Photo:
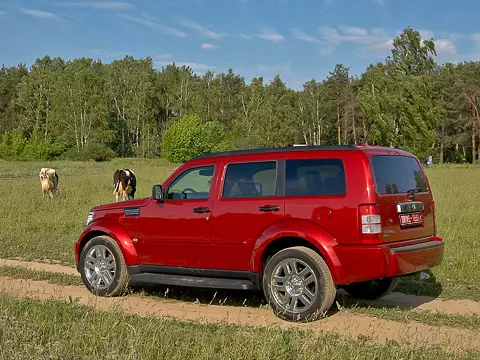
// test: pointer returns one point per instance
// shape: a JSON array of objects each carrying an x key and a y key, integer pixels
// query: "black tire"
[
  {"x": 119, "y": 281},
  {"x": 324, "y": 294},
  {"x": 372, "y": 289}
]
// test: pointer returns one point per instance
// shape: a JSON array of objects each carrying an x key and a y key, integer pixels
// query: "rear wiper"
[{"x": 412, "y": 192}]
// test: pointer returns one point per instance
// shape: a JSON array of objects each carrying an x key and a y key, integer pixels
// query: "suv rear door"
[
  {"x": 249, "y": 201},
  {"x": 406, "y": 203}
]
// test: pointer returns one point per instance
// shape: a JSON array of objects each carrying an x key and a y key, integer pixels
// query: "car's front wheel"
[
  {"x": 372, "y": 289},
  {"x": 102, "y": 267},
  {"x": 298, "y": 285}
]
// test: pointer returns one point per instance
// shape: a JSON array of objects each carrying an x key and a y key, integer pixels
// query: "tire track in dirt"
[
  {"x": 37, "y": 266},
  {"x": 413, "y": 333},
  {"x": 403, "y": 301}
]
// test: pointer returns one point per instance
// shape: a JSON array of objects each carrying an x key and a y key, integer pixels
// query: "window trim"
[
  {"x": 189, "y": 170},
  {"x": 375, "y": 184},
  {"x": 318, "y": 196},
  {"x": 277, "y": 182}
]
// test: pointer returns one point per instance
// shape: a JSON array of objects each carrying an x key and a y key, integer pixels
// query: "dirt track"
[
  {"x": 452, "y": 339},
  {"x": 459, "y": 307}
]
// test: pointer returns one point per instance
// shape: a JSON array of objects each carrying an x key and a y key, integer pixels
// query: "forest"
[{"x": 83, "y": 109}]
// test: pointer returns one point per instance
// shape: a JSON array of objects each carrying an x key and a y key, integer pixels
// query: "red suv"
[{"x": 295, "y": 222}]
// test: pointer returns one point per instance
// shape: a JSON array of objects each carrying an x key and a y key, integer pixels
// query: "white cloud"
[
  {"x": 41, "y": 14},
  {"x": 303, "y": 36},
  {"x": 476, "y": 38},
  {"x": 282, "y": 69},
  {"x": 154, "y": 24},
  {"x": 380, "y": 2},
  {"x": 271, "y": 35},
  {"x": 352, "y": 34},
  {"x": 205, "y": 31},
  {"x": 162, "y": 56},
  {"x": 208, "y": 47},
  {"x": 426, "y": 34},
  {"x": 445, "y": 47},
  {"x": 326, "y": 51},
  {"x": 2, "y": 12},
  {"x": 244, "y": 36},
  {"x": 99, "y": 4},
  {"x": 385, "y": 46},
  {"x": 194, "y": 66},
  {"x": 355, "y": 31},
  {"x": 109, "y": 53}
]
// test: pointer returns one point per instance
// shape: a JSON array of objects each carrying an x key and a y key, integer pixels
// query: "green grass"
[
  {"x": 51, "y": 277},
  {"x": 30, "y": 329},
  {"x": 36, "y": 229}
]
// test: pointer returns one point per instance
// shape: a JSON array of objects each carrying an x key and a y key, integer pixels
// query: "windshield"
[{"x": 397, "y": 174}]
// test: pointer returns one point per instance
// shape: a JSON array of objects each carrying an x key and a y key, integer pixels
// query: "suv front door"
[
  {"x": 250, "y": 201},
  {"x": 176, "y": 232}
]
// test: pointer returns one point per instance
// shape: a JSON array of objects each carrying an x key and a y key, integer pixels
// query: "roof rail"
[{"x": 275, "y": 150}]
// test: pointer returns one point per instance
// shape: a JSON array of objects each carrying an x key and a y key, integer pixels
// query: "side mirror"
[{"x": 157, "y": 193}]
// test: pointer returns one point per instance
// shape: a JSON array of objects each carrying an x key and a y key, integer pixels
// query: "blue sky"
[{"x": 299, "y": 39}]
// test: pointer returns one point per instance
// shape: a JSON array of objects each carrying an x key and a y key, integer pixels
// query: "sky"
[{"x": 297, "y": 39}]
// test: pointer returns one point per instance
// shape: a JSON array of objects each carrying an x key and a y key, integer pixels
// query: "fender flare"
[
  {"x": 114, "y": 230},
  {"x": 316, "y": 235}
]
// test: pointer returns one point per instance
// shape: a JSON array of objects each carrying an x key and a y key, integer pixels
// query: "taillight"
[
  {"x": 371, "y": 224},
  {"x": 433, "y": 217}
]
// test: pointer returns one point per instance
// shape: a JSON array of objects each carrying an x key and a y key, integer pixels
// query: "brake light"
[
  {"x": 371, "y": 224},
  {"x": 433, "y": 217}
]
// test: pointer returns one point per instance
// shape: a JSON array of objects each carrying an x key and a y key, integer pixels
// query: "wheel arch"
[
  {"x": 112, "y": 229},
  {"x": 309, "y": 235}
]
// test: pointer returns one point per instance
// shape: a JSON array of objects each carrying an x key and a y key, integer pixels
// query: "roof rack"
[{"x": 278, "y": 149}]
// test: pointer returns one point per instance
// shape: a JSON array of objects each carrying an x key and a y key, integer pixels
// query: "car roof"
[
  {"x": 275, "y": 150},
  {"x": 371, "y": 149}
]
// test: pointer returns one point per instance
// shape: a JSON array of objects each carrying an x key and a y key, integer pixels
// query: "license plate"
[{"x": 411, "y": 219}]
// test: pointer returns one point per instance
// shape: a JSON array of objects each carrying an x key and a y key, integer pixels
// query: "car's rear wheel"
[
  {"x": 102, "y": 267},
  {"x": 372, "y": 289},
  {"x": 298, "y": 285}
]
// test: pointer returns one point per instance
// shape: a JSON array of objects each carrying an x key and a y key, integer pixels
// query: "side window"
[
  {"x": 192, "y": 184},
  {"x": 250, "y": 180},
  {"x": 315, "y": 177}
]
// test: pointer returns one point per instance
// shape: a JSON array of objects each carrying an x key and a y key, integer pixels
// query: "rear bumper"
[{"x": 360, "y": 263}]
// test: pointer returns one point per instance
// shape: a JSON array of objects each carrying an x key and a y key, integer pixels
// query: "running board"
[{"x": 194, "y": 281}]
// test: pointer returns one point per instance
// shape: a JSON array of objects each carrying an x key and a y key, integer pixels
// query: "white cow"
[{"x": 48, "y": 181}]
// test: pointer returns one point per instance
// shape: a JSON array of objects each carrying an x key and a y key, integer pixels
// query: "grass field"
[
  {"x": 35, "y": 229},
  {"x": 30, "y": 329}
]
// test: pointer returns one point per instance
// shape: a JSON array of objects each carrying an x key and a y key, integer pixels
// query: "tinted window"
[
  {"x": 397, "y": 174},
  {"x": 250, "y": 180},
  {"x": 192, "y": 184},
  {"x": 315, "y": 177}
]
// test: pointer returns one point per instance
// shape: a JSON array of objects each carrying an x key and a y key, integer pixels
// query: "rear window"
[
  {"x": 397, "y": 174},
  {"x": 315, "y": 177}
]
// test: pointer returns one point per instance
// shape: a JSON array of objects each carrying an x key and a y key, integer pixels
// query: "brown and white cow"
[
  {"x": 125, "y": 184},
  {"x": 48, "y": 181}
]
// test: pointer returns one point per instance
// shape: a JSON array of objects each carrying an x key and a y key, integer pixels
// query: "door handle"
[
  {"x": 269, "y": 208},
  {"x": 201, "y": 210}
]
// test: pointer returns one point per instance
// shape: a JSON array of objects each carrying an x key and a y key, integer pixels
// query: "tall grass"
[
  {"x": 36, "y": 229},
  {"x": 30, "y": 329}
]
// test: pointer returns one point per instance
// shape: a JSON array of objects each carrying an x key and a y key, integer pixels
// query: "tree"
[
  {"x": 189, "y": 137},
  {"x": 80, "y": 112},
  {"x": 396, "y": 97},
  {"x": 10, "y": 78},
  {"x": 34, "y": 97}
]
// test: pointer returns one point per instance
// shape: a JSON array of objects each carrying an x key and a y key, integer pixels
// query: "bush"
[
  {"x": 189, "y": 137},
  {"x": 96, "y": 152},
  {"x": 15, "y": 146}
]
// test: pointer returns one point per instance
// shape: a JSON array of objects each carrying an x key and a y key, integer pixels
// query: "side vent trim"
[{"x": 135, "y": 211}]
